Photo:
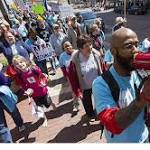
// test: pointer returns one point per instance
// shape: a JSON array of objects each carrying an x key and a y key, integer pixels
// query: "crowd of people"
[{"x": 32, "y": 41}]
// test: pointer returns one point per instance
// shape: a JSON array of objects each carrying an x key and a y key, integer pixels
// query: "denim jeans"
[
  {"x": 5, "y": 136},
  {"x": 15, "y": 115}
]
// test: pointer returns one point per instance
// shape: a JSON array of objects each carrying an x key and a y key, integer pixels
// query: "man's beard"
[{"x": 125, "y": 63}]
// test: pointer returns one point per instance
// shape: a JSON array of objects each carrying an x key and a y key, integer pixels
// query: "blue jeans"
[
  {"x": 15, "y": 115},
  {"x": 5, "y": 136}
]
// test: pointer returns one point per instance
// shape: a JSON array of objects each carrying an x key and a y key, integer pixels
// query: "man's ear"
[{"x": 113, "y": 51}]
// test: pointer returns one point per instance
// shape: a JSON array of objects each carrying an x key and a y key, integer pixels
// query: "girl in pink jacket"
[{"x": 33, "y": 82}]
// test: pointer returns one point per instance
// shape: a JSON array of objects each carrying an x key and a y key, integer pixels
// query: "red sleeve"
[
  {"x": 10, "y": 71},
  {"x": 15, "y": 76},
  {"x": 64, "y": 71},
  {"x": 107, "y": 118},
  {"x": 103, "y": 65},
  {"x": 74, "y": 81}
]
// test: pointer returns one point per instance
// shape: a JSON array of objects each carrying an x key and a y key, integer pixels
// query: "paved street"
[
  {"x": 139, "y": 23},
  {"x": 63, "y": 125}
]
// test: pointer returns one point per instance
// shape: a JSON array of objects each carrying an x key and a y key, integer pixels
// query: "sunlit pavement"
[{"x": 64, "y": 126}]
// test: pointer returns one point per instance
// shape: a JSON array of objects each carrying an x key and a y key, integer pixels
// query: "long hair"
[{"x": 18, "y": 58}]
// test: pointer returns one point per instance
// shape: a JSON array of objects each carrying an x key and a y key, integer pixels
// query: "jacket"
[
  {"x": 22, "y": 49},
  {"x": 76, "y": 79}
]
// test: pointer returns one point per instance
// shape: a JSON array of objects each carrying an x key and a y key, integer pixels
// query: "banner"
[
  {"x": 38, "y": 9},
  {"x": 65, "y": 11},
  {"x": 43, "y": 51}
]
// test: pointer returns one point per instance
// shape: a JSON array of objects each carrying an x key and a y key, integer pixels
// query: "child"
[{"x": 33, "y": 82}]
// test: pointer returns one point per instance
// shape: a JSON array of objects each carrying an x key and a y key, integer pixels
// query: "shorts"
[{"x": 43, "y": 100}]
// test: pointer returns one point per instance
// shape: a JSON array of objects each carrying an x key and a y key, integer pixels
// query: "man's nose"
[{"x": 135, "y": 49}]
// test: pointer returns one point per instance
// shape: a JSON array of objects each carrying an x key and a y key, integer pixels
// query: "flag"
[{"x": 47, "y": 7}]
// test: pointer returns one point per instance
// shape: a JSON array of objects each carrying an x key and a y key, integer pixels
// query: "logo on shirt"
[
  {"x": 31, "y": 80},
  {"x": 125, "y": 98}
]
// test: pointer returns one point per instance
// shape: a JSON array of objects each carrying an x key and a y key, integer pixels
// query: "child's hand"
[{"x": 29, "y": 92}]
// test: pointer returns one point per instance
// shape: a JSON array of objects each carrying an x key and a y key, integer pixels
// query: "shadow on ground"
[
  {"x": 16, "y": 135},
  {"x": 55, "y": 82},
  {"x": 61, "y": 110},
  {"x": 75, "y": 133}
]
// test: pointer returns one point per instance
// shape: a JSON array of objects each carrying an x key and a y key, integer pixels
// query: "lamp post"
[
  {"x": 4, "y": 9},
  {"x": 125, "y": 9}
]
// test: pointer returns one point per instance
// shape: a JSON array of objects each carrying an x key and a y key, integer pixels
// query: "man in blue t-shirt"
[{"x": 124, "y": 120}]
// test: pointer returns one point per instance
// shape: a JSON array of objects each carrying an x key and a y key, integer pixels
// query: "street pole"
[
  {"x": 125, "y": 9},
  {"x": 4, "y": 9}
]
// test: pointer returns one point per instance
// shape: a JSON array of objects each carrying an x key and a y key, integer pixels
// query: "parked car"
[
  {"x": 89, "y": 18},
  {"x": 118, "y": 7},
  {"x": 137, "y": 9}
]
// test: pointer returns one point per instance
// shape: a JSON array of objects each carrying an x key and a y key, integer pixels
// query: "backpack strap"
[
  {"x": 113, "y": 85},
  {"x": 114, "y": 88}
]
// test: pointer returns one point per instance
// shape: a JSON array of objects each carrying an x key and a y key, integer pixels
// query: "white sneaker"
[
  {"x": 22, "y": 128},
  {"x": 45, "y": 124},
  {"x": 75, "y": 108}
]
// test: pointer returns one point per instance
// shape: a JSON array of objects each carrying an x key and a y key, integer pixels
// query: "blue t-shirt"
[
  {"x": 137, "y": 131},
  {"x": 64, "y": 59},
  {"x": 108, "y": 58}
]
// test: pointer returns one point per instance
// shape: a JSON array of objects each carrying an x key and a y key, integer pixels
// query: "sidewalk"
[{"x": 63, "y": 125}]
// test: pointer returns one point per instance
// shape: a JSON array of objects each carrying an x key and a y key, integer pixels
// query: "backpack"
[
  {"x": 115, "y": 91},
  {"x": 114, "y": 88}
]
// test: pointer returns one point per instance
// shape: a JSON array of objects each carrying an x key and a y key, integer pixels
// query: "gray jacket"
[{"x": 76, "y": 61}]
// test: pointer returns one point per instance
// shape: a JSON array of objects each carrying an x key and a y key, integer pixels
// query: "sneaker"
[
  {"x": 75, "y": 109},
  {"x": 92, "y": 118},
  {"x": 22, "y": 128},
  {"x": 75, "y": 105}
]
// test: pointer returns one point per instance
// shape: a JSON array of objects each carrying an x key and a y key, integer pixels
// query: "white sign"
[
  {"x": 43, "y": 51},
  {"x": 66, "y": 10},
  {"x": 9, "y": 2}
]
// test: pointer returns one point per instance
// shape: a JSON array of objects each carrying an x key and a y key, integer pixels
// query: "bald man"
[{"x": 123, "y": 118}]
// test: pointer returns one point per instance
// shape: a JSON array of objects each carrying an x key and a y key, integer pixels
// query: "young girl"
[{"x": 33, "y": 82}]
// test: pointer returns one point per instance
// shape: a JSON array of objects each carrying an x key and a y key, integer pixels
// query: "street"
[
  {"x": 64, "y": 126},
  {"x": 139, "y": 23}
]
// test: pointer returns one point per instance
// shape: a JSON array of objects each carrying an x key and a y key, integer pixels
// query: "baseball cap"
[{"x": 120, "y": 20}]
